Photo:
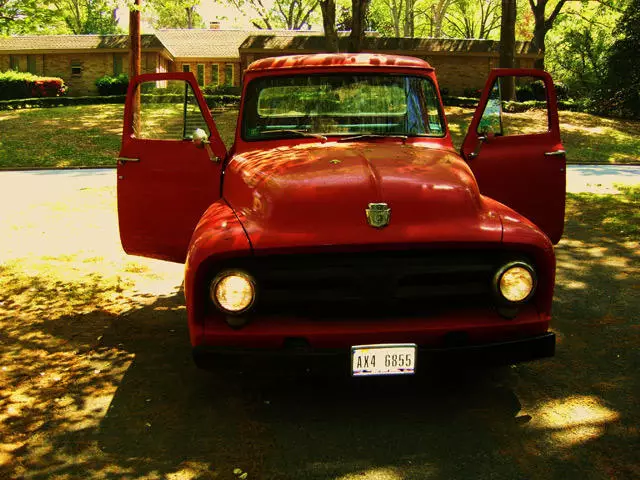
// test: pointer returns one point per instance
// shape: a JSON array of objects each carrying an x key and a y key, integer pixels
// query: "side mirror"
[{"x": 200, "y": 138}]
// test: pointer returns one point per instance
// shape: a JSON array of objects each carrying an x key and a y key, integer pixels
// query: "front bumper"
[{"x": 489, "y": 354}]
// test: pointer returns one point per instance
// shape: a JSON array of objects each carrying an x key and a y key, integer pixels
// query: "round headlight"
[
  {"x": 233, "y": 292},
  {"x": 516, "y": 282}
]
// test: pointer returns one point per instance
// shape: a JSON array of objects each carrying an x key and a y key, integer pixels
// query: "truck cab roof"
[{"x": 337, "y": 60}]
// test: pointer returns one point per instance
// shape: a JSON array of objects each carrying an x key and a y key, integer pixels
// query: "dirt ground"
[{"x": 96, "y": 377}]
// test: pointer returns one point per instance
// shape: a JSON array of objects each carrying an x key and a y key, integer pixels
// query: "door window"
[
  {"x": 200, "y": 74},
  {"x": 525, "y": 114},
  {"x": 228, "y": 74},
  {"x": 31, "y": 64},
  {"x": 168, "y": 111},
  {"x": 215, "y": 74}
]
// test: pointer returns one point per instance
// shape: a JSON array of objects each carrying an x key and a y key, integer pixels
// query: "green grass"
[
  {"x": 586, "y": 138},
  {"x": 89, "y": 136},
  {"x": 80, "y": 136}
]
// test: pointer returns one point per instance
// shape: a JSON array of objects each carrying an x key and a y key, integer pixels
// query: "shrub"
[
  {"x": 14, "y": 85},
  {"x": 562, "y": 91},
  {"x": 213, "y": 101},
  {"x": 621, "y": 92},
  {"x": 222, "y": 90},
  {"x": 472, "y": 92},
  {"x": 524, "y": 93},
  {"x": 108, "y": 85}
]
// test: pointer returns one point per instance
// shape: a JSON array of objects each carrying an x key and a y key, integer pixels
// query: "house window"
[
  {"x": 14, "y": 63},
  {"x": 200, "y": 74},
  {"x": 118, "y": 61},
  {"x": 186, "y": 67},
  {"x": 31, "y": 64},
  {"x": 215, "y": 74},
  {"x": 76, "y": 68},
  {"x": 228, "y": 74}
]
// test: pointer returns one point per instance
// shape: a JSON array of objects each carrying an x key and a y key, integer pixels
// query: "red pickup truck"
[{"x": 342, "y": 223}]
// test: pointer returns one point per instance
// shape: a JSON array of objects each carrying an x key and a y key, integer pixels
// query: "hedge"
[
  {"x": 217, "y": 101},
  {"x": 213, "y": 101},
  {"x": 108, "y": 85},
  {"x": 585, "y": 106},
  {"x": 18, "y": 85}
]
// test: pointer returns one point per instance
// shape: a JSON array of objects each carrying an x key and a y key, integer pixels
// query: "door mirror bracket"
[
  {"x": 201, "y": 140},
  {"x": 476, "y": 152}
]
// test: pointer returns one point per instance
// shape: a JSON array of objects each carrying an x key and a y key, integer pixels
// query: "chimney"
[{"x": 214, "y": 25}]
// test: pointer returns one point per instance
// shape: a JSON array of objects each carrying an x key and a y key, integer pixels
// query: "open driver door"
[
  {"x": 170, "y": 165},
  {"x": 518, "y": 158}
]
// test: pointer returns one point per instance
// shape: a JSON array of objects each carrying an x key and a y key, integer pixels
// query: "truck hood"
[{"x": 317, "y": 195}]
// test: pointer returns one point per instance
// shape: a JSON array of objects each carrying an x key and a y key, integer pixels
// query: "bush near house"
[
  {"x": 213, "y": 101},
  {"x": 222, "y": 90},
  {"x": 109, "y": 85},
  {"x": 14, "y": 85}
]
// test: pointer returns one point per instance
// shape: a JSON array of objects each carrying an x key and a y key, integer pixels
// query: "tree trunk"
[
  {"x": 508, "y": 47},
  {"x": 539, "y": 31},
  {"x": 409, "y": 26},
  {"x": 134, "y": 58},
  {"x": 189, "y": 11},
  {"x": 328, "y": 8},
  {"x": 358, "y": 23},
  {"x": 543, "y": 25}
]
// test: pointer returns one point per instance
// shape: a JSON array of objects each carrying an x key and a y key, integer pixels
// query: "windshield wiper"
[
  {"x": 364, "y": 136},
  {"x": 300, "y": 133}
]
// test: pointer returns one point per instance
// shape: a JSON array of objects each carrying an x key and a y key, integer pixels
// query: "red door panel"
[
  {"x": 527, "y": 172},
  {"x": 165, "y": 180}
]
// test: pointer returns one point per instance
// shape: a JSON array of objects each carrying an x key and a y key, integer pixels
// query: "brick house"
[
  {"x": 79, "y": 59},
  {"x": 460, "y": 63},
  {"x": 217, "y": 56}
]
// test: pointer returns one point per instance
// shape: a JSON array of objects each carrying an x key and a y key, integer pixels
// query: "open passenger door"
[
  {"x": 169, "y": 166},
  {"x": 517, "y": 156}
]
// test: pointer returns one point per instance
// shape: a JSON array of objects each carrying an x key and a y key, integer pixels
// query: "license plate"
[{"x": 383, "y": 359}]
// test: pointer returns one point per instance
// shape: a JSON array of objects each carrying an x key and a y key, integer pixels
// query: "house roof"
[
  {"x": 48, "y": 43},
  {"x": 301, "y": 43},
  {"x": 220, "y": 43}
]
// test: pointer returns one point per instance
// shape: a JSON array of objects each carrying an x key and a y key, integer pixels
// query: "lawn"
[
  {"x": 89, "y": 136},
  {"x": 96, "y": 379}
]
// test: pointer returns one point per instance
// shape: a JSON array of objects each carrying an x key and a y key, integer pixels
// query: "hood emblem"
[{"x": 378, "y": 215}]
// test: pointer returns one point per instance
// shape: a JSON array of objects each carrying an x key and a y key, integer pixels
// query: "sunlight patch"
[
  {"x": 374, "y": 474},
  {"x": 573, "y": 420}
]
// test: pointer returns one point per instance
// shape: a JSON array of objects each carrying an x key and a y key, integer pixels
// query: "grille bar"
[{"x": 372, "y": 283}]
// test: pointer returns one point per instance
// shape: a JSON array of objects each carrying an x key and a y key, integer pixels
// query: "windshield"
[{"x": 343, "y": 104}]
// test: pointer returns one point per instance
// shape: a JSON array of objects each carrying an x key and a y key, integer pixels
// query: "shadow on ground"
[{"x": 95, "y": 394}]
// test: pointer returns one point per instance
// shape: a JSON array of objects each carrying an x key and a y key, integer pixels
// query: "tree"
[
  {"x": 328, "y": 8},
  {"x": 580, "y": 43},
  {"x": 19, "y": 17},
  {"x": 400, "y": 15},
  {"x": 508, "y": 46},
  {"x": 473, "y": 19},
  {"x": 542, "y": 25},
  {"x": 88, "y": 16},
  {"x": 289, "y": 14},
  {"x": 437, "y": 15},
  {"x": 623, "y": 74},
  {"x": 175, "y": 14},
  {"x": 358, "y": 24}
]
